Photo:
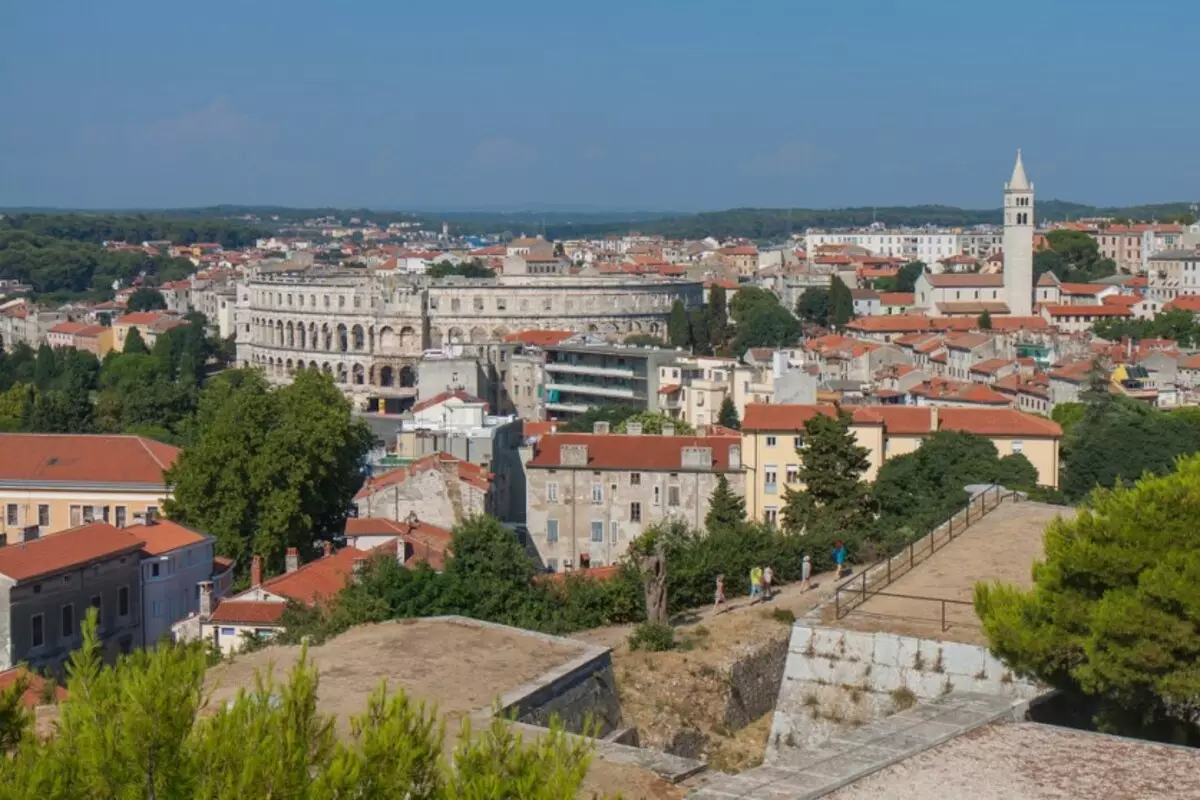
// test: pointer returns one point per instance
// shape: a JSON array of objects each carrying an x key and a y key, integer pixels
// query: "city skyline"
[{"x": 651, "y": 109}]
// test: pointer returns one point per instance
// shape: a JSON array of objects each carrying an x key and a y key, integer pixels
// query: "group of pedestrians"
[{"x": 761, "y": 579}]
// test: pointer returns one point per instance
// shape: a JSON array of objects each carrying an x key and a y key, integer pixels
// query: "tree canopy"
[
  {"x": 1114, "y": 615},
  {"x": 1176, "y": 324},
  {"x": 465, "y": 269},
  {"x": 145, "y": 300},
  {"x": 834, "y": 500},
  {"x": 814, "y": 306},
  {"x": 269, "y": 468},
  {"x": 1073, "y": 256}
]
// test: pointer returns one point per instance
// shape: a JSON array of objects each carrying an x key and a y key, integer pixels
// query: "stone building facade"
[
  {"x": 369, "y": 330},
  {"x": 590, "y": 495}
]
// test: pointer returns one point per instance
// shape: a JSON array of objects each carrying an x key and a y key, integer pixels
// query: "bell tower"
[{"x": 1018, "y": 242}]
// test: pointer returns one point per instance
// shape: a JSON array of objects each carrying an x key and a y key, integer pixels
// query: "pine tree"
[
  {"x": 698, "y": 325},
  {"x": 985, "y": 320},
  {"x": 679, "y": 332},
  {"x": 134, "y": 342},
  {"x": 726, "y": 509},
  {"x": 834, "y": 499},
  {"x": 841, "y": 303},
  {"x": 728, "y": 416},
  {"x": 718, "y": 318}
]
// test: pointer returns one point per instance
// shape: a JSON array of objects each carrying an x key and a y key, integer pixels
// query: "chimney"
[
  {"x": 600, "y": 427},
  {"x": 292, "y": 561},
  {"x": 633, "y": 428},
  {"x": 206, "y": 588},
  {"x": 668, "y": 430},
  {"x": 933, "y": 419},
  {"x": 328, "y": 549},
  {"x": 256, "y": 571}
]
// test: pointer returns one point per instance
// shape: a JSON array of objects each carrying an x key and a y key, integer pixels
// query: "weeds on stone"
[
  {"x": 947, "y": 687},
  {"x": 937, "y": 664},
  {"x": 811, "y": 699},
  {"x": 1007, "y": 677},
  {"x": 903, "y": 698},
  {"x": 918, "y": 662},
  {"x": 783, "y": 615}
]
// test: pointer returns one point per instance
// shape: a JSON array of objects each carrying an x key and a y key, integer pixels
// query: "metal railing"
[
  {"x": 942, "y": 601},
  {"x": 878, "y": 576}
]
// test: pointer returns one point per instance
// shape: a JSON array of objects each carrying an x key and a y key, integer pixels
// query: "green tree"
[
  {"x": 770, "y": 326},
  {"x": 728, "y": 415},
  {"x": 813, "y": 306},
  {"x": 269, "y": 469},
  {"x": 834, "y": 499},
  {"x": 652, "y": 422},
  {"x": 718, "y": 318},
  {"x": 1112, "y": 619},
  {"x": 136, "y": 730},
  {"x": 698, "y": 326},
  {"x": 906, "y": 278},
  {"x": 748, "y": 301},
  {"x": 985, "y": 321},
  {"x": 679, "y": 333},
  {"x": 614, "y": 414},
  {"x": 45, "y": 369},
  {"x": 1067, "y": 415},
  {"x": 133, "y": 343},
  {"x": 145, "y": 299},
  {"x": 466, "y": 269},
  {"x": 726, "y": 508},
  {"x": 841, "y": 303}
]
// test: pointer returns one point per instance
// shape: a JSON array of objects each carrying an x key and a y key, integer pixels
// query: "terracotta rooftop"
[
  {"x": 890, "y": 323},
  {"x": 908, "y": 420},
  {"x": 139, "y": 318},
  {"x": 444, "y": 396},
  {"x": 1088, "y": 289},
  {"x": 164, "y": 536},
  {"x": 648, "y": 452},
  {"x": 539, "y": 338},
  {"x": 69, "y": 328},
  {"x": 322, "y": 578},
  {"x": 67, "y": 549},
  {"x": 896, "y": 298},
  {"x": 973, "y": 281},
  {"x": 1087, "y": 311},
  {"x": 996, "y": 422},
  {"x": 467, "y": 472},
  {"x": 248, "y": 612},
  {"x": 991, "y": 366},
  {"x": 53, "y": 458},
  {"x": 1187, "y": 302},
  {"x": 33, "y": 690}
]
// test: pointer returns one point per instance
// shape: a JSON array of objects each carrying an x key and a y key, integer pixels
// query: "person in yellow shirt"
[{"x": 755, "y": 584}]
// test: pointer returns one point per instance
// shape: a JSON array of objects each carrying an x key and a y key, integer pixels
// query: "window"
[
  {"x": 770, "y": 441},
  {"x": 501, "y": 304},
  {"x": 635, "y": 479},
  {"x": 793, "y": 473},
  {"x": 152, "y": 511},
  {"x": 612, "y": 493},
  {"x": 104, "y": 513},
  {"x": 657, "y": 495},
  {"x": 797, "y": 442},
  {"x": 635, "y": 512},
  {"x": 37, "y": 626},
  {"x": 597, "y": 493},
  {"x": 598, "y": 530},
  {"x": 1018, "y": 446},
  {"x": 479, "y": 304},
  {"x": 154, "y": 567},
  {"x": 551, "y": 492},
  {"x": 770, "y": 478},
  {"x": 551, "y": 530},
  {"x": 123, "y": 601},
  {"x": 44, "y": 515},
  {"x": 613, "y": 531},
  {"x": 89, "y": 514},
  {"x": 673, "y": 496},
  {"x": 10, "y": 514},
  {"x": 455, "y": 304},
  {"x": 771, "y": 515},
  {"x": 98, "y": 604},
  {"x": 552, "y": 564},
  {"x": 68, "y": 620}
]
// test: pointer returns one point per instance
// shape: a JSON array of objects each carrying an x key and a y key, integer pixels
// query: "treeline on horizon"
[{"x": 224, "y": 223}]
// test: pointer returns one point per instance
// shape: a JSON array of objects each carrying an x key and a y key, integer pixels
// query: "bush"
[{"x": 652, "y": 638}]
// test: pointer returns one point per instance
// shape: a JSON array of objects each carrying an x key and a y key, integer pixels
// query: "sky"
[{"x": 648, "y": 105}]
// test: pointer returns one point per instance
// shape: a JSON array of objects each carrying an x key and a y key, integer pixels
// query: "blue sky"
[{"x": 657, "y": 104}]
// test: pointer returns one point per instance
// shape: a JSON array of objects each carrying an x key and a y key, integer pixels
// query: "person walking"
[
  {"x": 755, "y": 584},
  {"x": 767, "y": 577},
  {"x": 805, "y": 573},
  {"x": 719, "y": 599},
  {"x": 839, "y": 557}
]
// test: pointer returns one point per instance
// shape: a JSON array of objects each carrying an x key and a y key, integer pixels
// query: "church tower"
[{"x": 1018, "y": 242}]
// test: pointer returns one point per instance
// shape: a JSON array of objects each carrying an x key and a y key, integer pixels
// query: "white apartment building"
[{"x": 911, "y": 245}]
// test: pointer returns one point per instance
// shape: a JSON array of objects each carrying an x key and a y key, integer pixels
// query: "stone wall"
[
  {"x": 581, "y": 694},
  {"x": 835, "y": 678},
  {"x": 754, "y": 684}
]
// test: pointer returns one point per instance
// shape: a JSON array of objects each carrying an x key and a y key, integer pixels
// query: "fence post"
[
  {"x": 864, "y": 586},
  {"x": 837, "y": 603},
  {"x": 943, "y": 616},
  {"x": 889, "y": 572}
]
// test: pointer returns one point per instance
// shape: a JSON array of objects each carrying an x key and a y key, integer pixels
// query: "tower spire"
[{"x": 1018, "y": 182}]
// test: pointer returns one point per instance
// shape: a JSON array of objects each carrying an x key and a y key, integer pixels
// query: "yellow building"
[
  {"x": 52, "y": 482},
  {"x": 771, "y": 434},
  {"x": 148, "y": 323}
]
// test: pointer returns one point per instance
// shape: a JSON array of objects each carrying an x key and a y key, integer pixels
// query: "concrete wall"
[{"x": 837, "y": 677}]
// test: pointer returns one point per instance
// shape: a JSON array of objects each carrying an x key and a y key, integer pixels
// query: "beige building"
[
  {"x": 438, "y": 489},
  {"x": 148, "y": 324},
  {"x": 956, "y": 295},
  {"x": 52, "y": 482},
  {"x": 590, "y": 495},
  {"x": 693, "y": 388},
  {"x": 772, "y": 435}
]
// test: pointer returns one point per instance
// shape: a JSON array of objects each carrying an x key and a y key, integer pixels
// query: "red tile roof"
[
  {"x": 1087, "y": 311},
  {"x": 909, "y": 420},
  {"x": 248, "y": 612},
  {"x": 470, "y": 473},
  {"x": 991, "y": 366},
  {"x": 1125, "y": 300},
  {"x": 139, "y": 318},
  {"x": 45, "y": 458},
  {"x": 444, "y": 396},
  {"x": 539, "y": 427},
  {"x": 621, "y": 451},
  {"x": 1187, "y": 302},
  {"x": 34, "y": 683},
  {"x": 891, "y": 323},
  {"x": 90, "y": 331},
  {"x": 62, "y": 551},
  {"x": 996, "y": 422},
  {"x": 896, "y": 298},
  {"x": 164, "y": 536},
  {"x": 324, "y": 577},
  {"x": 782, "y": 417},
  {"x": 950, "y": 280},
  {"x": 67, "y": 328},
  {"x": 591, "y": 573},
  {"x": 539, "y": 338},
  {"x": 1082, "y": 288}
]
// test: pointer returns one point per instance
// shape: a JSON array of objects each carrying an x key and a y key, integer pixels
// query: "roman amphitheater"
[{"x": 369, "y": 330}]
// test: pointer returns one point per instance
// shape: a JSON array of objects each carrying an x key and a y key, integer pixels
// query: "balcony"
[
  {"x": 598, "y": 391},
  {"x": 569, "y": 408},
  {"x": 584, "y": 369}
]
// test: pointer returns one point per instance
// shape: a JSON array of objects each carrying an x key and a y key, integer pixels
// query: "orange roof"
[
  {"x": 164, "y": 536},
  {"x": 890, "y": 323},
  {"x": 467, "y": 472},
  {"x": 248, "y": 612},
  {"x": 427, "y": 543},
  {"x": 738, "y": 251},
  {"x": 622, "y": 451},
  {"x": 996, "y": 422},
  {"x": 1081, "y": 288},
  {"x": 443, "y": 397},
  {"x": 539, "y": 427},
  {"x": 952, "y": 280},
  {"x": 896, "y": 298},
  {"x": 67, "y": 327},
  {"x": 991, "y": 365},
  {"x": 47, "y": 458},
  {"x": 322, "y": 578},
  {"x": 222, "y": 564},
  {"x": 90, "y": 331},
  {"x": 139, "y": 318},
  {"x": 373, "y": 526},
  {"x": 966, "y": 341},
  {"x": 1125, "y": 300},
  {"x": 1186, "y": 302},
  {"x": 62, "y": 551},
  {"x": 896, "y": 419},
  {"x": 33, "y": 690},
  {"x": 591, "y": 573},
  {"x": 782, "y": 416}
]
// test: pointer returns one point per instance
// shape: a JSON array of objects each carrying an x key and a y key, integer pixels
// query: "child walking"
[{"x": 719, "y": 599}]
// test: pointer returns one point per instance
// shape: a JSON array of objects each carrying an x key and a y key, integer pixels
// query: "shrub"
[
  {"x": 652, "y": 638},
  {"x": 784, "y": 615},
  {"x": 903, "y": 698}
]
